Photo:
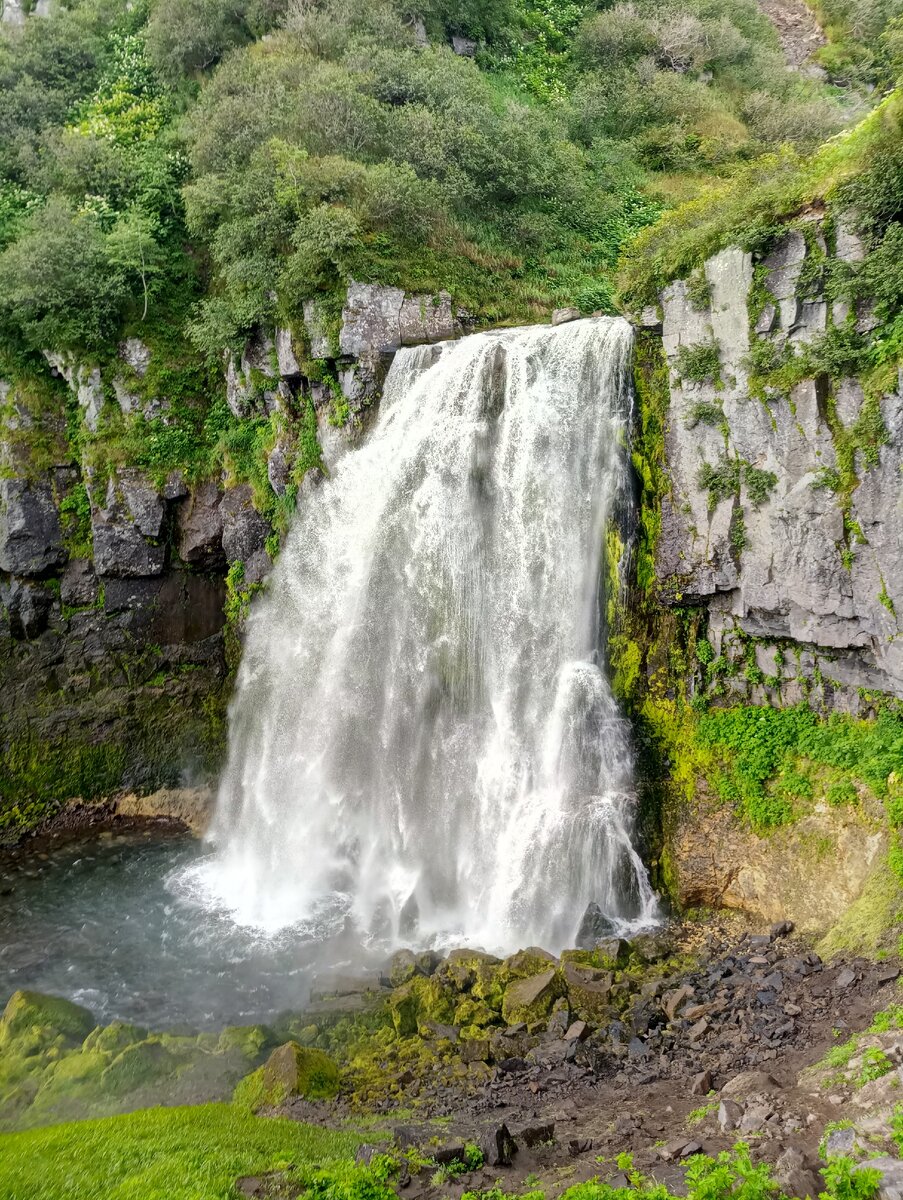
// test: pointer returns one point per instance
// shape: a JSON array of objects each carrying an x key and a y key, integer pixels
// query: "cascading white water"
[{"x": 423, "y": 736}]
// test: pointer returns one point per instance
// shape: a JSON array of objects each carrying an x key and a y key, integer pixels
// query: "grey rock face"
[
  {"x": 794, "y": 574},
  {"x": 285, "y": 354},
  {"x": 201, "y": 527},
  {"x": 124, "y": 516},
  {"x": 79, "y": 586},
  {"x": 244, "y": 530},
  {"x": 31, "y": 541},
  {"x": 315, "y": 324},
  {"x": 28, "y": 606},
  {"x": 378, "y": 320}
]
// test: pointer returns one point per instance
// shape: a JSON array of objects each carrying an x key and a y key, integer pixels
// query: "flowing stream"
[{"x": 424, "y": 745}]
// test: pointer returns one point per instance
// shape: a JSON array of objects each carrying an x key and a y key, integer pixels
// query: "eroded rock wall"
[{"x": 784, "y": 509}]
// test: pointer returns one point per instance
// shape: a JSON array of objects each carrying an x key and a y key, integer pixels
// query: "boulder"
[
  {"x": 589, "y": 991},
  {"x": 749, "y": 1083},
  {"x": 531, "y": 1000},
  {"x": 498, "y": 1147},
  {"x": 561, "y": 316},
  {"x": 593, "y": 926},
  {"x": 31, "y": 539},
  {"x": 138, "y": 1066},
  {"x": 404, "y": 966},
  {"x": 33, "y": 1022},
  {"x": 293, "y": 1070},
  {"x": 890, "y": 1186}
]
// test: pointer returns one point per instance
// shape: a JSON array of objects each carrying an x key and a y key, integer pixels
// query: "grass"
[{"x": 159, "y": 1154}]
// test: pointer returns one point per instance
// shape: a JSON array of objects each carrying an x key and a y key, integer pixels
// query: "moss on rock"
[
  {"x": 114, "y": 1037},
  {"x": 291, "y": 1070},
  {"x": 34, "y": 1022},
  {"x": 531, "y": 1000},
  {"x": 137, "y": 1066}
]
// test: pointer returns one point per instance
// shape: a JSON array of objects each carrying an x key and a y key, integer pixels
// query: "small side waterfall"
[{"x": 423, "y": 737}]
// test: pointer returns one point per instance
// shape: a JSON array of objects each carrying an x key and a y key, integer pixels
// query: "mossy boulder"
[
  {"x": 532, "y": 961},
  {"x": 531, "y": 1000},
  {"x": 419, "y": 1001},
  {"x": 291, "y": 1070},
  {"x": 32, "y": 1022},
  {"x": 474, "y": 972},
  {"x": 472, "y": 1012},
  {"x": 138, "y": 1066},
  {"x": 250, "y": 1041},
  {"x": 75, "y": 1081},
  {"x": 114, "y": 1037},
  {"x": 403, "y": 967},
  {"x": 589, "y": 990},
  {"x": 302, "y": 1071}
]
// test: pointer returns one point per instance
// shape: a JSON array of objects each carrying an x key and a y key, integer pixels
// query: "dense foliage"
[{"x": 166, "y": 164}]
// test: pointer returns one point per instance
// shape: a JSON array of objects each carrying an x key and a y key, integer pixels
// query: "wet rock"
[
  {"x": 345, "y": 985},
  {"x": 561, "y": 316},
  {"x": 593, "y": 926},
  {"x": 31, "y": 539},
  {"x": 293, "y": 1070},
  {"x": 404, "y": 966}
]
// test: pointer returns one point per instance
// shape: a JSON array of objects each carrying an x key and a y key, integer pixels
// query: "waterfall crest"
[{"x": 423, "y": 738}]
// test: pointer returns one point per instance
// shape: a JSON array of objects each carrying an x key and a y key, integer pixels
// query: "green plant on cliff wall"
[{"x": 755, "y": 758}]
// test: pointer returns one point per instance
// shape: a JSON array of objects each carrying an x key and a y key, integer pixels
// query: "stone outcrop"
[
  {"x": 752, "y": 525},
  {"x": 809, "y": 872}
]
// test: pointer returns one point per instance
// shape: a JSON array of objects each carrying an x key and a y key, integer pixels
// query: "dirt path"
[{"x": 798, "y": 30}]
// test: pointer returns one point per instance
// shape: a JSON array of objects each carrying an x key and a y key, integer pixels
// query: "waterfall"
[{"x": 423, "y": 739}]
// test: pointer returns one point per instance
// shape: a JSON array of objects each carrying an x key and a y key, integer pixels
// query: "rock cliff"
[
  {"x": 783, "y": 514},
  {"x": 115, "y": 580}
]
